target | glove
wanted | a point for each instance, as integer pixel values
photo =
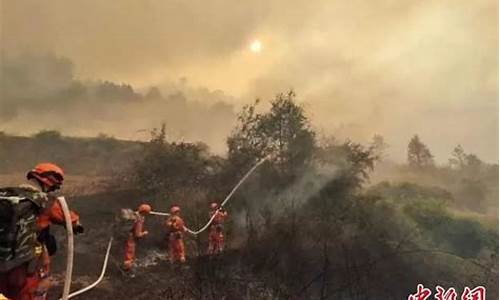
(46, 238)
(78, 229)
(51, 244)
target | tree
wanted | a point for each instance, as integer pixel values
(458, 158)
(171, 169)
(153, 94)
(468, 164)
(283, 133)
(48, 135)
(379, 146)
(419, 156)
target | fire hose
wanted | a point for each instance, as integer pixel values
(158, 213)
(227, 198)
(69, 226)
(69, 258)
(69, 230)
(103, 271)
(127, 213)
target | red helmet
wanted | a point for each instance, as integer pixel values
(144, 208)
(175, 209)
(214, 205)
(49, 174)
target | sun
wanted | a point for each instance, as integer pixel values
(256, 46)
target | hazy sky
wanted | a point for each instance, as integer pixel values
(392, 67)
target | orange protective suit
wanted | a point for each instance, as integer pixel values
(136, 232)
(176, 229)
(19, 283)
(53, 214)
(216, 235)
(31, 281)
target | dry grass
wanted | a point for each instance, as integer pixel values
(74, 185)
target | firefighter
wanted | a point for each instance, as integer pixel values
(31, 279)
(176, 229)
(216, 235)
(136, 232)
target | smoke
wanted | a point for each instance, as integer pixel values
(391, 67)
(265, 204)
(397, 68)
(41, 92)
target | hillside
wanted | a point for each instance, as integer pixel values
(97, 156)
(315, 220)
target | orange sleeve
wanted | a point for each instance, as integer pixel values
(181, 226)
(43, 220)
(223, 214)
(56, 215)
(139, 228)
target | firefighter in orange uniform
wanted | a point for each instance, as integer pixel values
(216, 235)
(31, 280)
(176, 229)
(52, 215)
(136, 232)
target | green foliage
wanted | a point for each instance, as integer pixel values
(419, 156)
(352, 160)
(428, 214)
(329, 222)
(467, 164)
(312, 225)
(406, 192)
(472, 183)
(471, 195)
(48, 136)
(461, 236)
(282, 133)
(436, 225)
(171, 169)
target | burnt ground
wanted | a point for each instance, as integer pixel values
(155, 278)
(226, 277)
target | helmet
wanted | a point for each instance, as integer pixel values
(144, 208)
(49, 174)
(214, 205)
(174, 209)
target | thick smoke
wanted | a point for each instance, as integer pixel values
(40, 92)
(363, 67)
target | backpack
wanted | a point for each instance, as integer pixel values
(19, 208)
(124, 222)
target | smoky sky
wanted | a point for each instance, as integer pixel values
(391, 67)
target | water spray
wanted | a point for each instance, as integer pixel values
(228, 197)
